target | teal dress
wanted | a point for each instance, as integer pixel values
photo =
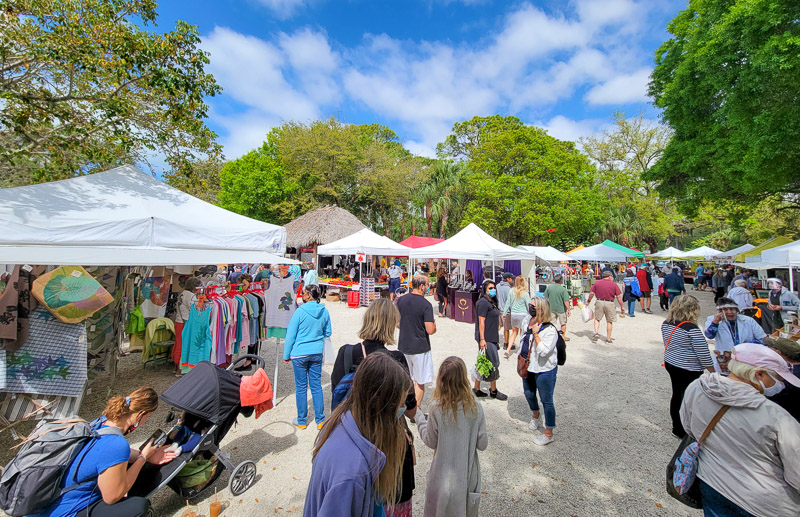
(196, 338)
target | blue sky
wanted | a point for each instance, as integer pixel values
(418, 66)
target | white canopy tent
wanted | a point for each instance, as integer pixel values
(787, 255)
(365, 241)
(735, 251)
(125, 217)
(703, 252)
(598, 253)
(668, 253)
(472, 243)
(547, 253)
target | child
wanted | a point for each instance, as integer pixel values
(456, 430)
(663, 301)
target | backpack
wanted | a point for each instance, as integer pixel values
(636, 289)
(33, 479)
(342, 389)
(561, 348)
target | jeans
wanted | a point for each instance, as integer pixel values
(717, 505)
(545, 384)
(631, 307)
(681, 379)
(308, 374)
(672, 296)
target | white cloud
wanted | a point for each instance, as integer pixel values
(282, 8)
(622, 89)
(533, 61)
(571, 130)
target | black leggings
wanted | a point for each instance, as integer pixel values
(681, 379)
(442, 303)
(719, 292)
(127, 507)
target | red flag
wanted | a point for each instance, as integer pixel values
(551, 230)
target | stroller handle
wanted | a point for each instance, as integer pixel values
(257, 358)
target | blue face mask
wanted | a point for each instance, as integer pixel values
(492, 292)
(400, 412)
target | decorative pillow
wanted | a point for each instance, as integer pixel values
(70, 293)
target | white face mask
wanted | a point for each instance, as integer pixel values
(774, 389)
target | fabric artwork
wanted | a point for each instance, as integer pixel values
(71, 293)
(51, 362)
(103, 327)
(155, 295)
(19, 406)
(280, 301)
(16, 303)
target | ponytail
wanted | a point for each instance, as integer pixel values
(313, 292)
(142, 400)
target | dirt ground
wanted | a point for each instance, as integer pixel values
(612, 444)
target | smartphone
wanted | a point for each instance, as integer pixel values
(158, 438)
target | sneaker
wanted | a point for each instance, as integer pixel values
(299, 426)
(412, 421)
(498, 395)
(320, 425)
(513, 347)
(542, 439)
(534, 423)
(479, 393)
(595, 337)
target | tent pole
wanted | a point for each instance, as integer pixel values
(791, 277)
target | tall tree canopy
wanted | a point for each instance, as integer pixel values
(728, 84)
(524, 185)
(84, 85)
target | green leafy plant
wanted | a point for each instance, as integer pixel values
(484, 365)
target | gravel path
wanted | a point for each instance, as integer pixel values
(612, 442)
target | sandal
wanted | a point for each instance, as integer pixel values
(506, 354)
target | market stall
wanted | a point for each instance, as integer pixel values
(118, 225)
(472, 243)
(730, 254)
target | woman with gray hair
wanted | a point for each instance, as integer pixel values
(781, 302)
(749, 465)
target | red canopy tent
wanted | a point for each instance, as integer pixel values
(420, 242)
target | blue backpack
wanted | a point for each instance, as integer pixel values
(342, 389)
(635, 289)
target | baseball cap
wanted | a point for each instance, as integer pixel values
(508, 275)
(790, 349)
(764, 357)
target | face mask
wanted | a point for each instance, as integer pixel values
(492, 292)
(400, 412)
(774, 389)
(132, 427)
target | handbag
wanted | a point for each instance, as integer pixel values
(524, 361)
(328, 354)
(682, 469)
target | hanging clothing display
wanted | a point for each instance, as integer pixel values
(16, 304)
(155, 294)
(103, 327)
(280, 304)
(196, 337)
(159, 335)
(51, 362)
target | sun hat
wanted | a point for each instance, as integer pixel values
(790, 349)
(762, 356)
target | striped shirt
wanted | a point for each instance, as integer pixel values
(688, 348)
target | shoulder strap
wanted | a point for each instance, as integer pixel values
(671, 333)
(713, 423)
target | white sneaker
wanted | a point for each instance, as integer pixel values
(542, 439)
(534, 423)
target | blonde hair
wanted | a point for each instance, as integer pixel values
(380, 387)
(453, 389)
(747, 371)
(684, 308)
(380, 322)
(142, 400)
(543, 312)
(520, 286)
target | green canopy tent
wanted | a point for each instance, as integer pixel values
(628, 251)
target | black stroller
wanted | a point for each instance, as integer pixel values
(210, 396)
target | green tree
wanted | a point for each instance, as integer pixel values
(84, 85)
(448, 178)
(203, 182)
(256, 185)
(524, 185)
(727, 81)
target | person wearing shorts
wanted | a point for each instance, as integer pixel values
(607, 292)
(558, 297)
(416, 326)
(394, 279)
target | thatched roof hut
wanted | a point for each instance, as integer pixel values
(321, 226)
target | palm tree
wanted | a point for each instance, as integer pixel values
(623, 225)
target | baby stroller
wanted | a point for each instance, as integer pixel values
(210, 397)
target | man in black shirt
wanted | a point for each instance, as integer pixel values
(416, 326)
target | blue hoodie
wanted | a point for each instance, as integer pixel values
(344, 473)
(308, 328)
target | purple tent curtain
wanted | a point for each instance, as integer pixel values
(513, 266)
(477, 270)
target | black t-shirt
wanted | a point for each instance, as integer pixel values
(441, 286)
(415, 310)
(491, 327)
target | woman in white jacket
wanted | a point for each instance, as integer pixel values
(542, 369)
(749, 465)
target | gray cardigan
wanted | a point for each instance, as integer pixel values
(454, 480)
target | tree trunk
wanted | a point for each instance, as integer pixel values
(429, 217)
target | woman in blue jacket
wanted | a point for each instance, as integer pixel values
(305, 341)
(359, 454)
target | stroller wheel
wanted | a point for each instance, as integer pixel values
(242, 478)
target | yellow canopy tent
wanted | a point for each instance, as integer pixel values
(756, 252)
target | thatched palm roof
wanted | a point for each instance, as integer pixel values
(321, 226)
